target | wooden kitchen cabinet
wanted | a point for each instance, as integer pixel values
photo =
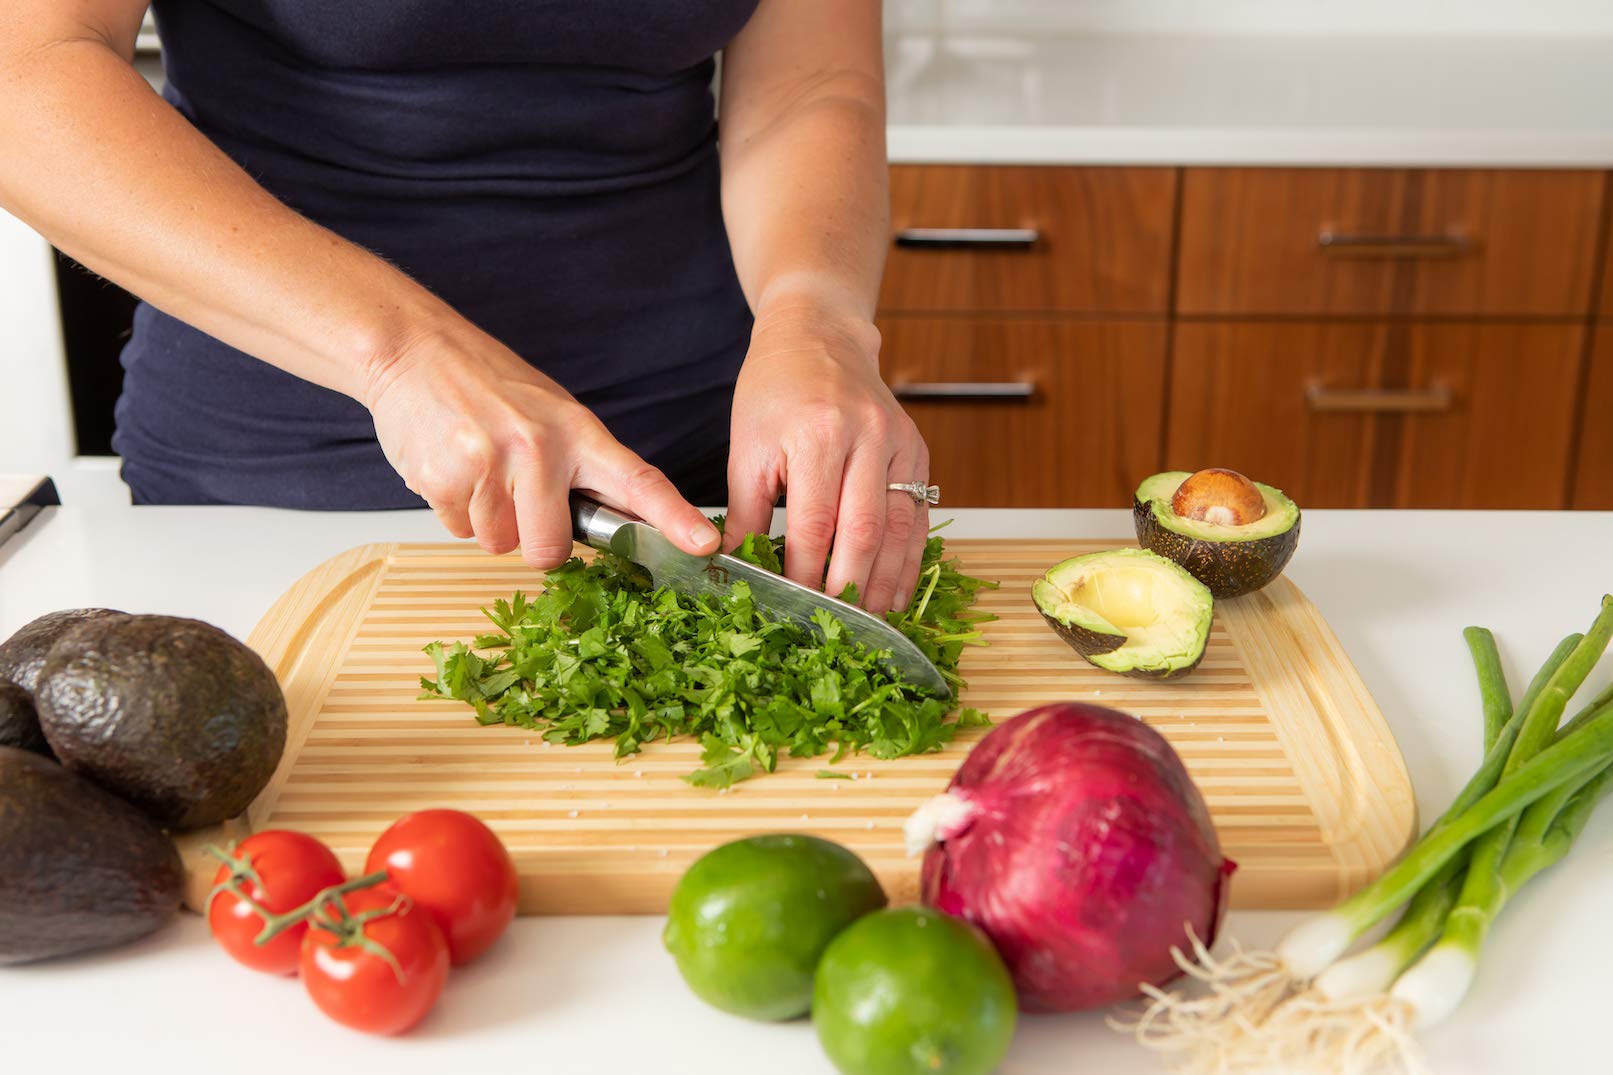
(1029, 239)
(1031, 412)
(1384, 414)
(1593, 472)
(1388, 241)
(1605, 305)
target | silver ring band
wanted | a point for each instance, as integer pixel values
(920, 492)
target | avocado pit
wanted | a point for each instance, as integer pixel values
(1232, 534)
(1219, 496)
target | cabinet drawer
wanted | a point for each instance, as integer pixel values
(991, 238)
(1031, 413)
(1391, 241)
(1445, 415)
(1593, 475)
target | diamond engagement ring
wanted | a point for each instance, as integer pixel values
(921, 493)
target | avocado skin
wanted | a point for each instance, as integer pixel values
(19, 724)
(1228, 568)
(1080, 640)
(1086, 643)
(23, 654)
(79, 868)
(172, 714)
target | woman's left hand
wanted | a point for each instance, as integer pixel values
(812, 417)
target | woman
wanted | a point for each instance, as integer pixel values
(475, 252)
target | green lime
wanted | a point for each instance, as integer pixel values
(911, 991)
(750, 920)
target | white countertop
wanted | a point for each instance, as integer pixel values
(1021, 96)
(578, 995)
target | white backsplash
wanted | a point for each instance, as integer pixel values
(1407, 17)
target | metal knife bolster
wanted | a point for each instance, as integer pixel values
(593, 524)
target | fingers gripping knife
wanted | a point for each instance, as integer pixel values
(777, 597)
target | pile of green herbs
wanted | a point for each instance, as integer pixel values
(602, 654)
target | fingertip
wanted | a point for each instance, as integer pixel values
(703, 539)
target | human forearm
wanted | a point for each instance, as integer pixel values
(806, 202)
(107, 171)
(805, 188)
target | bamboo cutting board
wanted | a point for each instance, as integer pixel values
(1303, 778)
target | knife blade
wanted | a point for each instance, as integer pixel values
(777, 597)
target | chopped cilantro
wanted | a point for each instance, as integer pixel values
(600, 654)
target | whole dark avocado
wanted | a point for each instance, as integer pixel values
(19, 724)
(172, 714)
(79, 868)
(23, 654)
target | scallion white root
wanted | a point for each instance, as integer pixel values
(1209, 1028)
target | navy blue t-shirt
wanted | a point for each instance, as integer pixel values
(548, 167)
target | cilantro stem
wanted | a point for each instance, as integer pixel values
(599, 655)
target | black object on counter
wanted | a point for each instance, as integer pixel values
(14, 517)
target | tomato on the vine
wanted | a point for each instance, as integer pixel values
(453, 866)
(374, 960)
(278, 871)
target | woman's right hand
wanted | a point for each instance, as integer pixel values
(495, 448)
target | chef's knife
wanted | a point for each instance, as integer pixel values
(600, 527)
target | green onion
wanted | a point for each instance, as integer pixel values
(1493, 693)
(1373, 971)
(1304, 1007)
(1437, 984)
(1314, 945)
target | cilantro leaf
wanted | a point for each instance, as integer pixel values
(600, 654)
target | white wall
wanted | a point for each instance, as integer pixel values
(35, 432)
(1551, 17)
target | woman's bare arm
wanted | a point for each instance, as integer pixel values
(807, 207)
(106, 170)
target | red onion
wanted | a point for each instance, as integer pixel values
(1074, 837)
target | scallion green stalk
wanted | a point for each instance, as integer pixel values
(1497, 752)
(1317, 943)
(1483, 889)
(1436, 984)
(1494, 697)
(1373, 971)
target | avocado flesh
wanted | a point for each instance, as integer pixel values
(1230, 560)
(1128, 611)
(19, 723)
(173, 715)
(80, 868)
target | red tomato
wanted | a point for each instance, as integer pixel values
(358, 987)
(292, 869)
(453, 866)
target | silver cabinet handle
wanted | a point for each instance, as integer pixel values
(1394, 246)
(965, 391)
(1378, 400)
(968, 238)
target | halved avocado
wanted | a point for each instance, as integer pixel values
(1230, 559)
(1128, 611)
